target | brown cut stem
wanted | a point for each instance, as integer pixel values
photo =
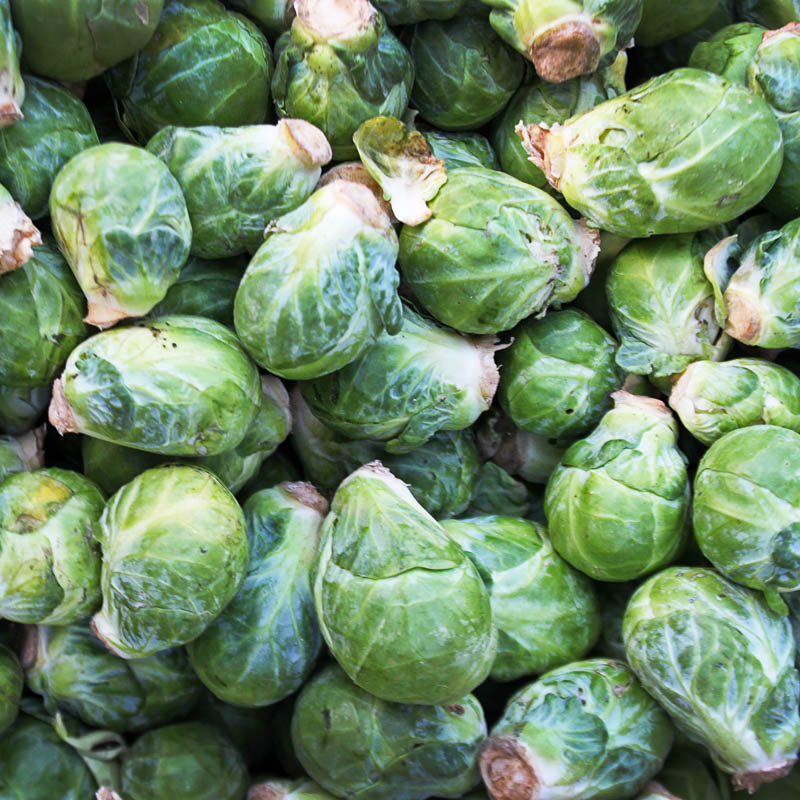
(566, 51)
(506, 770)
(751, 781)
(60, 413)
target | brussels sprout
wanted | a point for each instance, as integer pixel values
(495, 251)
(461, 149)
(408, 386)
(769, 13)
(546, 613)
(583, 731)
(264, 644)
(71, 669)
(21, 453)
(385, 571)
(18, 235)
(49, 553)
(424, 750)
(21, 407)
(497, 492)
(680, 153)
(729, 51)
(12, 87)
(618, 504)
(280, 789)
(187, 759)
(11, 685)
(272, 16)
(174, 385)
(719, 661)
(663, 20)
(237, 180)
(405, 12)
(338, 66)
(323, 285)
(203, 66)
(153, 600)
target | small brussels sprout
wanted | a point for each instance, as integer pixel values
(338, 66)
(383, 555)
(461, 149)
(11, 686)
(237, 180)
(203, 66)
(281, 789)
(662, 20)
(21, 407)
(729, 51)
(679, 153)
(497, 492)
(546, 613)
(586, 730)
(618, 504)
(272, 16)
(153, 600)
(769, 13)
(49, 552)
(18, 235)
(322, 287)
(495, 251)
(720, 662)
(73, 672)
(406, 12)
(12, 87)
(265, 643)
(173, 385)
(21, 453)
(408, 386)
(425, 750)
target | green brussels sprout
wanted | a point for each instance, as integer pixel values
(56, 127)
(546, 613)
(322, 287)
(408, 386)
(49, 552)
(586, 730)
(566, 38)
(406, 12)
(465, 73)
(497, 492)
(729, 51)
(281, 789)
(21, 407)
(11, 686)
(357, 745)
(720, 662)
(12, 87)
(685, 777)
(338, 66)
(662, 20)
(495, 251)
(41, 310)
(618, 504)
(272, 16)
(18, 235)
(265, 643)
(203, 66)
(153, 600)
(237, 180)
(21, 453)
(187, 759)
(174, 385)
(769, 13)
(73, 672)
(385, 571)
(557, 376)
(679, 153)
(461, 149)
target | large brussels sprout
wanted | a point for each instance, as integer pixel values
(153, 599)
(408, 386)
(461, 149)
(546, 613)
(339, 65)
(405, 12)
(272, 16)
(587, 730)
(203, 66)
(680, 153)
(663, 20)
(12, 87)
(21, 453)
(264, 644)
(357, 745)
(720, 662)
(174, 385)
(618, 504)
(49, 553)
(323, 285)
(11, 685)
(386, 573)
(18, 235)
(73, 672)
(495, 251)
(21, 407)
(769, 13)
(282, 789)
(237, 180)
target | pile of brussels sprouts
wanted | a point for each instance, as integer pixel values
(399, 399)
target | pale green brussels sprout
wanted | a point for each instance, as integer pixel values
(406, 12)
(21, 407)
(18, 235)
(618, 504)
(461, 149)
(272, 16)
(663, 20)
(720, 662)
(204, 66)
(679, 153)
(584, 731)
(265, 643)
(729, 51)
(557, 376)
(495, 251)
(175, 385)
(121, 221)
(497, 492)
(546, 613)
(21, 453)
(686, 777)
(282, 789)
(153, 600)
(237, 180)
(357, 745)
(769, 13)
(323, 286)
(12, 87)
(11, 686)
(338, 66)
(74, 673)
(409, 386)
(49, 551)
(385, 572)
